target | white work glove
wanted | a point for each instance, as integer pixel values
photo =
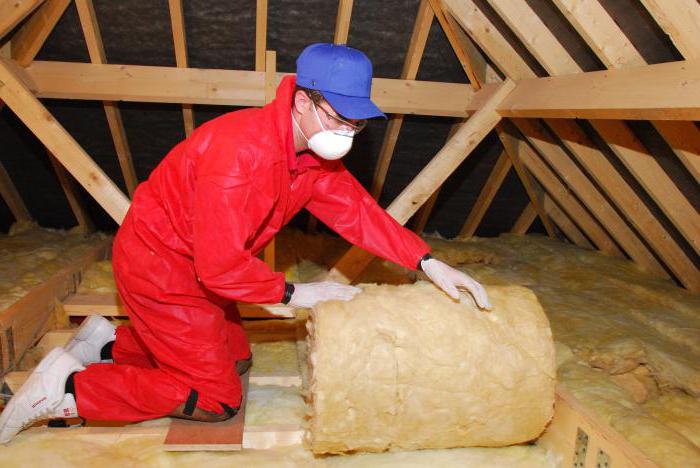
(449, 280)
(306, 295)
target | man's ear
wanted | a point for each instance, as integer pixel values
(302, 102)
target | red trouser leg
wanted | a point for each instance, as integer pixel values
(237, 340)
(130, 349)
(186, 335)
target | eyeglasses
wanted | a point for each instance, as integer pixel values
(355, 125)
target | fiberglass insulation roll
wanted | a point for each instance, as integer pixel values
(406, 367)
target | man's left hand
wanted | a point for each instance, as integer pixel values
(450, 280)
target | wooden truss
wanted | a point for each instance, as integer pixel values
(570, 182)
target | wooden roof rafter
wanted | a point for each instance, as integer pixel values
(527, 26)
(177, 22)
(12, 12)
(93, 40)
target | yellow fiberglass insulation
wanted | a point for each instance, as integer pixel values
(406, 367)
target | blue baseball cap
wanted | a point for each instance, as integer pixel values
(343, 75)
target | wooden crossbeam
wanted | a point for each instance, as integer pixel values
(93, 39)
(414, 54)
(12, 12)
(455, 151)
(136, 83)
(527, 25)
(27, 42)
(525, 220)
(177, 21)
(14, 201)
(665, 91)
(109, 305)
(74, 199)
(57, 140)
(613, 48)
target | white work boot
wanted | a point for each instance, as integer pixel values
(42, 396)
(95, 332)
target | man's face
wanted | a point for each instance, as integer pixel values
(328, 118)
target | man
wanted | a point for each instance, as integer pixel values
(185, 253)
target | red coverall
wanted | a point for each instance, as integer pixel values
(186, 252)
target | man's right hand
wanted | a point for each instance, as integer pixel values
(306, 295)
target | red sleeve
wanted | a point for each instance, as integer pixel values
(344, 205)
(227, 210)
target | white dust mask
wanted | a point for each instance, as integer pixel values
(328, 144)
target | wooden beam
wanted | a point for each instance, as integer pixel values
(270, 89)
(634, 208)
(527, 26)
(525, 220)
(486, 196)
(484, 73)
(455, 151)
(177, 21)
(570, 230)
(73, 157)
(414, 54)
(680, 19)
(260, 34)
(498, 49)
(587, 192)
(136, 83)
(684, 139)
(342, 22)
(612, 47)
(93, 39)
(560, 193)
(72, 195)
(665, 91)
(24, 322)
(12, 198)
(12, 12)
(27, 42)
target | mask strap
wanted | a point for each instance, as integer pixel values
(296, 124)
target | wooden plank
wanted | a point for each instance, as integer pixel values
(137, 83)
(528, 26)
(498, 49)
(14, 201)
(110, 305)
(634, 208)
(342, 22)
(12, 12)
(665, 91)
(587, 192)
(188, 436)
(25, 321)
(29, 39)
(559, 192)
(414, 54)
(260, 34)
(684, 138)
(525, 220)
(270, 90)
(570, 230)
(455, 151)
(93, 39)
(613, 48)
(570, 416)
(486, 196)
(177, 21)
(40, 121)
(680, 19)
(74, 200)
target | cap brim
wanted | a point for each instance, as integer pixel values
(353, 107)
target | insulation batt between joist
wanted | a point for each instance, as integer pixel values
(406, 367)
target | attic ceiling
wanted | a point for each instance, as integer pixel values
(221, 34)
